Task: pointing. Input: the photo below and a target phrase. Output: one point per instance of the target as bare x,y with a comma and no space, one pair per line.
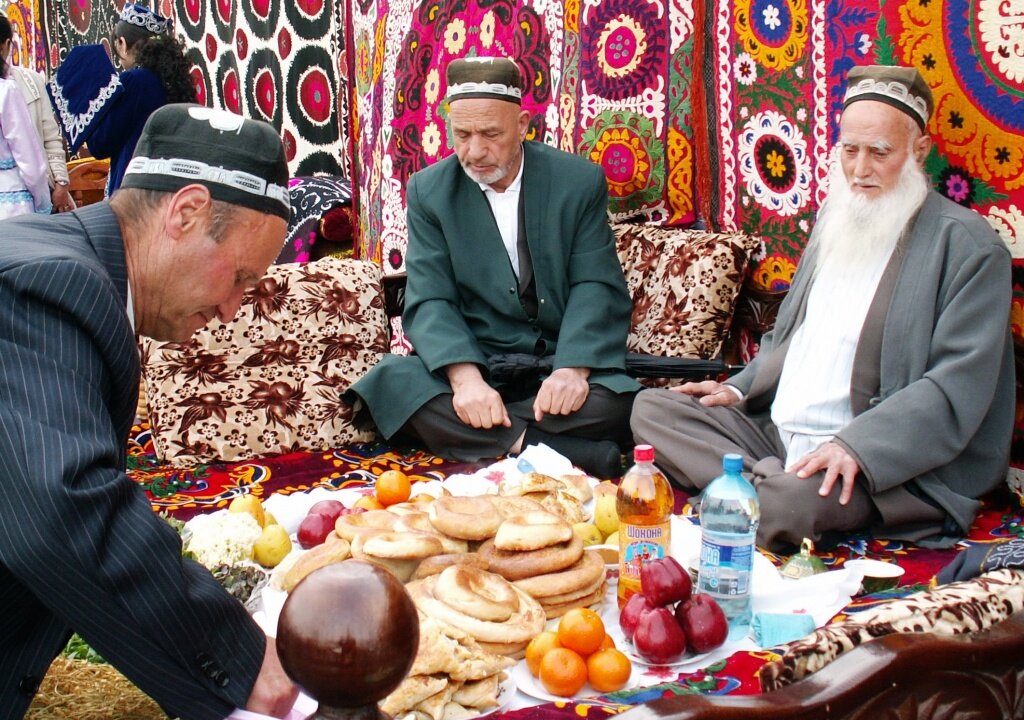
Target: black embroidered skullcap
901,87
240,160
485,77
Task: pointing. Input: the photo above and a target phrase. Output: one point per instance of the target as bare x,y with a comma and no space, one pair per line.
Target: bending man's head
487,120
203,208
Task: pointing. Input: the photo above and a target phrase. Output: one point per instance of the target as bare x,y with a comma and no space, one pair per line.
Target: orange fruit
368,502
582,630
562,672
608,670
538,648
392,487
607,642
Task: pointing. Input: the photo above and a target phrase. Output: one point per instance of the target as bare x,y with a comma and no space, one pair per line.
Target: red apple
632,611
331,508
313,530
658,638
664,581
703,621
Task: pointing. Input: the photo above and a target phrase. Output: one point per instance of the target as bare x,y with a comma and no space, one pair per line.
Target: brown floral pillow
683,284
270,381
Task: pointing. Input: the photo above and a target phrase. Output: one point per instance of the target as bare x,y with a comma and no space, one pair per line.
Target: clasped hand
479,405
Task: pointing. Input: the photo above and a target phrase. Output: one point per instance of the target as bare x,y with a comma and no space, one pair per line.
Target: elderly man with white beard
883,399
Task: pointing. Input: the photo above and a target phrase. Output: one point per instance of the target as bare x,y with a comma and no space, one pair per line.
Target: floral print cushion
961,607
683,284
270,381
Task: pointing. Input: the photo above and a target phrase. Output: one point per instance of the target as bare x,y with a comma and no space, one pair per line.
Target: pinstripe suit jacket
80,548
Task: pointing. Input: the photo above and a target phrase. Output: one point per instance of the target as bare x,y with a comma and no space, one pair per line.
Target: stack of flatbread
451,678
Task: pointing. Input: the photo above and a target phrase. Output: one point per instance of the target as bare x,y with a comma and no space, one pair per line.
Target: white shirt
505,206
812,402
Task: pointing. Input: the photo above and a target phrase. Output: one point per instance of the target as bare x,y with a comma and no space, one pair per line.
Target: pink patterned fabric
610,81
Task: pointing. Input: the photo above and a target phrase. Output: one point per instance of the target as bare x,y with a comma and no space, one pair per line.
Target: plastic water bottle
729,514
644,504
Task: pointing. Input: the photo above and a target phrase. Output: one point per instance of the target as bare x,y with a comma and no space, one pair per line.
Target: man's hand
476,403
836,462
274,693
710,392
61,199
563,392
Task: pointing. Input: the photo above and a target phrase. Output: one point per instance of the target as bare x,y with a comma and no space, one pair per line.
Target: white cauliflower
222,538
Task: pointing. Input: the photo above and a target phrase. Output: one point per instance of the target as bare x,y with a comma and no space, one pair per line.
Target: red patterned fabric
277,62
610,81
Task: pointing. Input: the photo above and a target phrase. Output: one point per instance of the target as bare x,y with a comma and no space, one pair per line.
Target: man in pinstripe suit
202,213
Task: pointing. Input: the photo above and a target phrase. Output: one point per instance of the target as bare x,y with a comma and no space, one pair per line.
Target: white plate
628,650
530,685
506,691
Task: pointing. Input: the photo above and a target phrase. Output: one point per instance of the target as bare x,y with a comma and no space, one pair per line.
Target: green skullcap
485,77
901,87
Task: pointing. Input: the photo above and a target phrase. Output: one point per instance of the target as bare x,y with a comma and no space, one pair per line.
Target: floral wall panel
609,80
28,34
278,62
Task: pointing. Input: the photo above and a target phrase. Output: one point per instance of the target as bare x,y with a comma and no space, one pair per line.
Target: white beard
855,230
495,175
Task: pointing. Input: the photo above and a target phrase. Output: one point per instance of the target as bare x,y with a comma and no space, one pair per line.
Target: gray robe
940,414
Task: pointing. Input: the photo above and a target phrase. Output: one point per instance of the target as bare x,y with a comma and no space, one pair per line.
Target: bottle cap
732,463
643,453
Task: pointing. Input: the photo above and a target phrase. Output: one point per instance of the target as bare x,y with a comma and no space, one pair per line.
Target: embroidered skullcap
240,160
901,87
485,77
142,17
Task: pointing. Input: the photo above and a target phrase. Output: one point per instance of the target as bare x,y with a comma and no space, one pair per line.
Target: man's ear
187,211
524,124
921,147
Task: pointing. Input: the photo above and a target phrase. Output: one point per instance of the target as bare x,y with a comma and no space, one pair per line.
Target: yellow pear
249,504
612,539
271,546
605,516
588,533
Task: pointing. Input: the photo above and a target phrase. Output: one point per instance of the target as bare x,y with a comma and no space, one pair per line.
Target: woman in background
33,89
155,73
23,168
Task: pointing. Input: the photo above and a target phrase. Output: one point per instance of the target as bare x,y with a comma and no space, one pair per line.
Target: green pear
588,533
605,516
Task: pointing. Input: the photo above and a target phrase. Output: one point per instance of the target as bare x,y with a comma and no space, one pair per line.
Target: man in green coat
515,303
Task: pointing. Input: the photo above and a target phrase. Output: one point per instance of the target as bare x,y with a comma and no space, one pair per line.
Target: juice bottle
644,504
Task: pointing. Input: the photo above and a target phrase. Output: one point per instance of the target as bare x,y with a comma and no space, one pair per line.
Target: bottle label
641,544
725,565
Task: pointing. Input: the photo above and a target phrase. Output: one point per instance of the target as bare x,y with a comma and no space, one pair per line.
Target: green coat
462,302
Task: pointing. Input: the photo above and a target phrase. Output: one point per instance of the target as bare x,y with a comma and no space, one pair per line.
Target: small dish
876,574
532,686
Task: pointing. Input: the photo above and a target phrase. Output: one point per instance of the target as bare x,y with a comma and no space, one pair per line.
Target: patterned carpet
208,487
